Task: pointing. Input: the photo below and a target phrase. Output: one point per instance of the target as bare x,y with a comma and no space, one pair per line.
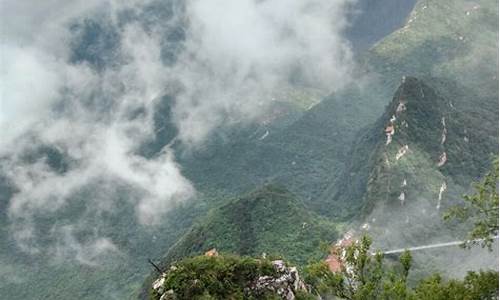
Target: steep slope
337,158
62,272
421,130
371,20
98,272
413,163
453,46
456,40
269,220
307,155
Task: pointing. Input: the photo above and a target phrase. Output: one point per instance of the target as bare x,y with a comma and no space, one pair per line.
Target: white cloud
239,52
92,253
235,55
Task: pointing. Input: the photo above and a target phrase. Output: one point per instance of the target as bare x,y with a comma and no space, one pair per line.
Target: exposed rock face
285,286
402,198
286,283
401,152
442,159
212,253
158,285
442,189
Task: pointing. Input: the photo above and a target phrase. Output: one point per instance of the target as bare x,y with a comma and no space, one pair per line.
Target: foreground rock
214,276
286,285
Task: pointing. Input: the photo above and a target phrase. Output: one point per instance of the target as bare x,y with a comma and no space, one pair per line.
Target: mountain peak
416,115
269,219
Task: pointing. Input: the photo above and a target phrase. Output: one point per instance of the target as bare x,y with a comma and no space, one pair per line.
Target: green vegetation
403,199
334,156
447,39
269,220
482,207
330,155
219,277
476,285
58,275
370,276
363,276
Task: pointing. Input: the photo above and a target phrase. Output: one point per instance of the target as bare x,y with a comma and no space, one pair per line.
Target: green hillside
305,156
401,186
308,155
335,158
315,165
430,125
269,220
451,47
456,40
54,275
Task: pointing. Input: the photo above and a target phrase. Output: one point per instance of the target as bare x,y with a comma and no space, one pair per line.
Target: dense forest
249,149
352,271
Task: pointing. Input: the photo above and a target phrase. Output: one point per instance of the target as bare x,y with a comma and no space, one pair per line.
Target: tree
476,285
363,275
482,208
214,277
368,276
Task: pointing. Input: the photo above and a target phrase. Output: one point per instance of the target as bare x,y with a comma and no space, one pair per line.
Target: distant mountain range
385,155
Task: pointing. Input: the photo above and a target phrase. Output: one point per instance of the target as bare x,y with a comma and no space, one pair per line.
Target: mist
80,83
419,222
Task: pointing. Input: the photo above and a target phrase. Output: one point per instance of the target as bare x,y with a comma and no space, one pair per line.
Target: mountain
314,164
420,144
456,40
268,220
304,156
448,46
310,152
335,157
416,161
370,21
55,275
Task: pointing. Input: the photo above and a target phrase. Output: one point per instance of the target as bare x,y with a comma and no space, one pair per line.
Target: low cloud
239,53
72,122
92,253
